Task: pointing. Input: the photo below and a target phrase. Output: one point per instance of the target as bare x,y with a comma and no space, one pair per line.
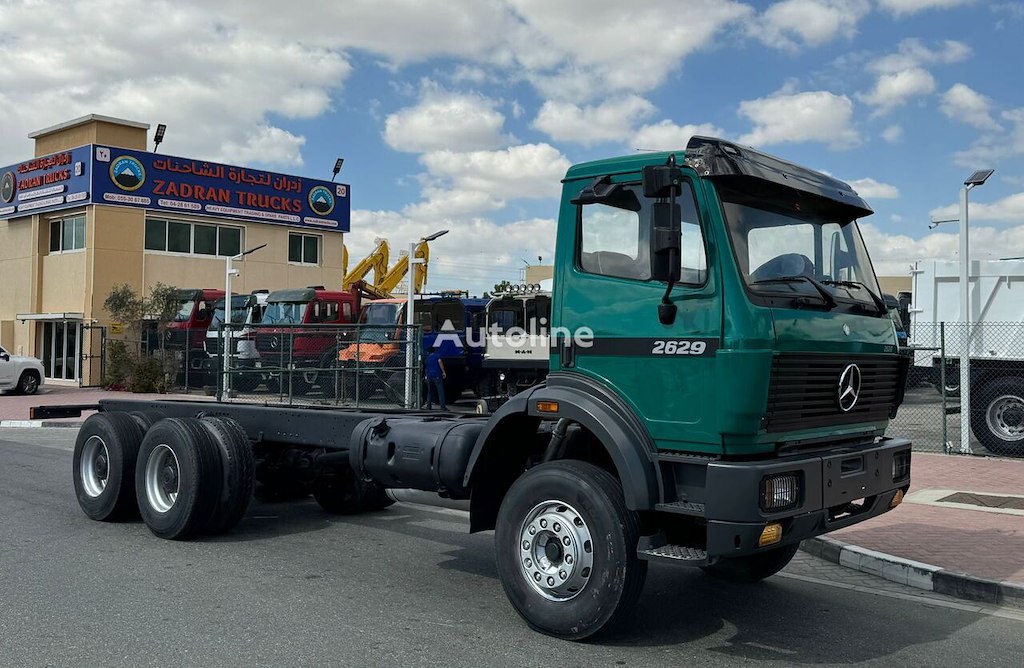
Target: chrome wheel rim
162,477
94,468
1005,417
556,551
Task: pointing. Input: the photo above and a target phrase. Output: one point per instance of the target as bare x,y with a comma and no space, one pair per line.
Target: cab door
664,371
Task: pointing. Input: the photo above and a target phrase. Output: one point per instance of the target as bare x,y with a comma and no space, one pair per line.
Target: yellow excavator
376,261
386,280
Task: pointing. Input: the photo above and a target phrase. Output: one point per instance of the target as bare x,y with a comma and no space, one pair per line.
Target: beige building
58,266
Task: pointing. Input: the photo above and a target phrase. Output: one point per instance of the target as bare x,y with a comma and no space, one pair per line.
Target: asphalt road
405,586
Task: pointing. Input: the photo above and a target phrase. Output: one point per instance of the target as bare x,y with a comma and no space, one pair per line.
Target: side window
331,311
612,239
615,237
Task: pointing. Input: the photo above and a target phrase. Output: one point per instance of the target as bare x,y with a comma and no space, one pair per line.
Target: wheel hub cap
556,552
162,475
95,467
1005,417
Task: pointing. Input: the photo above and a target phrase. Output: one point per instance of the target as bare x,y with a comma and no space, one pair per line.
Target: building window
304,248
67,234
174,236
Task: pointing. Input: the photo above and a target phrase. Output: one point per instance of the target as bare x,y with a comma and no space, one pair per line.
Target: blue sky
464,114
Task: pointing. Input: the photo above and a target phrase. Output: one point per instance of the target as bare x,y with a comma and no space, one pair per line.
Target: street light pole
226,325
965,314
410,313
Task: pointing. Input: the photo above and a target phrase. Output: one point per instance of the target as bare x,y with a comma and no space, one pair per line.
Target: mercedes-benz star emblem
849,387
273,343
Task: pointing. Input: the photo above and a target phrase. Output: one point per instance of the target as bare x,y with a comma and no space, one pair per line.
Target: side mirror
666,241
662,181
5,357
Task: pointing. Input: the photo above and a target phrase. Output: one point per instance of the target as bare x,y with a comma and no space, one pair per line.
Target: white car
20,373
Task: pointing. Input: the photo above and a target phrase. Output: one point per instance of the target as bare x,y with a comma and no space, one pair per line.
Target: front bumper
838,488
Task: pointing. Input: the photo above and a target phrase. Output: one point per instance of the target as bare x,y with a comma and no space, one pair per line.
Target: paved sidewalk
14,408
959,532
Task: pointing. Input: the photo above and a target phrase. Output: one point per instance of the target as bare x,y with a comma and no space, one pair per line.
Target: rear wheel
566,549
998,419
104,466
239,473
753,567
178,478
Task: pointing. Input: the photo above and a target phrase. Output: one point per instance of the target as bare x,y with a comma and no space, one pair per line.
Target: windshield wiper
857,284
830,301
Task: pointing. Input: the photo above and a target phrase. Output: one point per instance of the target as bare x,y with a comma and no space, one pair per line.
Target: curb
30,424
916,574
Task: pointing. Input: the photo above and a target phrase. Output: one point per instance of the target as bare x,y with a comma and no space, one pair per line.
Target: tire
601,582
239,478
146,419
28,383
273,382
485,386
178,453
753,567
997,418
104,466
342,492
245,381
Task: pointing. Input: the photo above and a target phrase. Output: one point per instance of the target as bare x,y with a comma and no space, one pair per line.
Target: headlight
780,492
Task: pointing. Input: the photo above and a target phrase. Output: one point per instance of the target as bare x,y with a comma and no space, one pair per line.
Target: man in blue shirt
435,379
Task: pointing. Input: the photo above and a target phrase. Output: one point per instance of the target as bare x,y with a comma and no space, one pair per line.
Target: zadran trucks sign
122,177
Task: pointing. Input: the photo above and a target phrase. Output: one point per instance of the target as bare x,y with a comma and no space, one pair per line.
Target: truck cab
246,312
187,329
292,352
517,343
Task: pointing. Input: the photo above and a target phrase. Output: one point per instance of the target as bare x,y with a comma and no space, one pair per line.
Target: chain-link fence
990,412
347,365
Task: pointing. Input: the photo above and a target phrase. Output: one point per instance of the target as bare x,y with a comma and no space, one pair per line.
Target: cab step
677,554
682,508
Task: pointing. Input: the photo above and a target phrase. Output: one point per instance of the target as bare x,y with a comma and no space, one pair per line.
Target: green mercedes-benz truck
722,373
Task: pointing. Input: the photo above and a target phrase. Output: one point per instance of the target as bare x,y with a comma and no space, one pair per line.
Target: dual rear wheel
182,475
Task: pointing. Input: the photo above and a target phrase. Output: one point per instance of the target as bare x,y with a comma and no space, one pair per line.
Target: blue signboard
123,177
47,183
154,181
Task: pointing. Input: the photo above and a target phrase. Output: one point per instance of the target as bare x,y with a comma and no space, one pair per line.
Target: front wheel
753,567
566,549
28,383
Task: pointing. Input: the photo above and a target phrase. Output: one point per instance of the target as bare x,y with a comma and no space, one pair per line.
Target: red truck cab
287,339
187,329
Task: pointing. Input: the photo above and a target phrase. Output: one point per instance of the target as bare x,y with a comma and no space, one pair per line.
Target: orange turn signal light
770,535
547,406
897,499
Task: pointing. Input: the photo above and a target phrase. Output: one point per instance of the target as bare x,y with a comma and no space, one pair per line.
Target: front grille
804,391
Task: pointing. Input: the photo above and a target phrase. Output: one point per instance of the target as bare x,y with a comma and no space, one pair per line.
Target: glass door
59,349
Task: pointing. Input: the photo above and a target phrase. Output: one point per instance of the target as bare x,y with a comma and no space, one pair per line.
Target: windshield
284,313
239,310
185,308
786,244
380,314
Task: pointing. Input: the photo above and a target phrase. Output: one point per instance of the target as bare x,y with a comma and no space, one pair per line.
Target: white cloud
793,23
894,90
1006,210
215,82
996,145
612,120
580,49
893,254
893,134
912,53
818,116
904,7
666,135
871,189
460,184
445,120
964,104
